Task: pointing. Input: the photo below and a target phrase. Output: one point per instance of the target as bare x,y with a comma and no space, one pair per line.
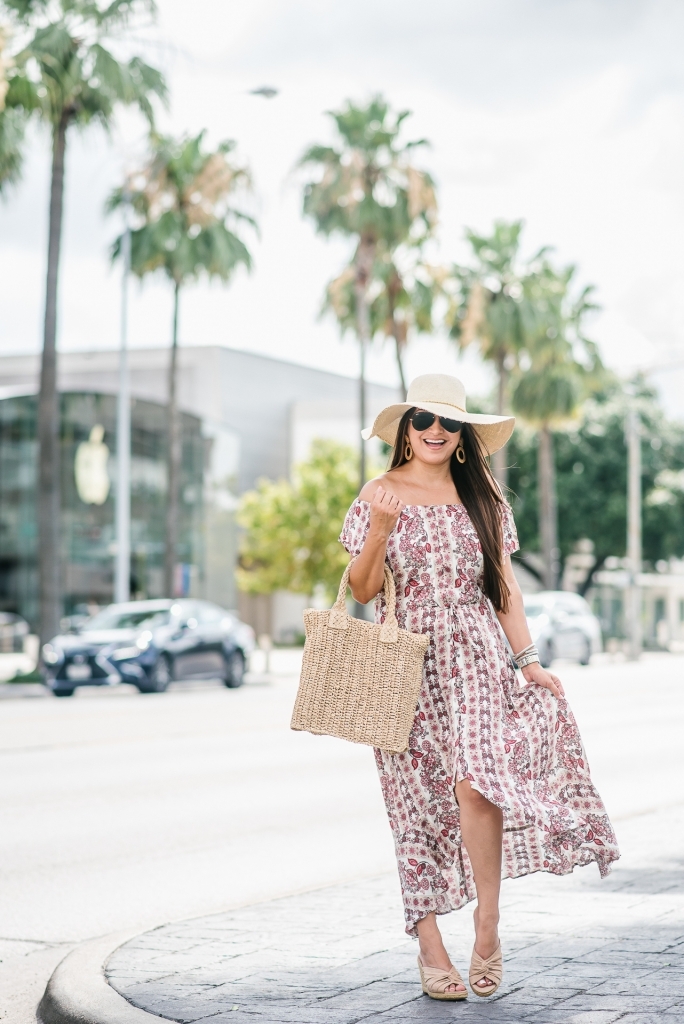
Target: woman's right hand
384,512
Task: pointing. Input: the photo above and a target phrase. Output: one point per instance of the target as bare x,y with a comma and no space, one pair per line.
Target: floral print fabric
517,744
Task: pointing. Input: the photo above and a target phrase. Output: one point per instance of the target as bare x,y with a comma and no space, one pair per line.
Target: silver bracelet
528,656
528,659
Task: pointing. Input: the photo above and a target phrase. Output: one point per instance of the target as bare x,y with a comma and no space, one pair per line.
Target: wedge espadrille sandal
491,968
436,982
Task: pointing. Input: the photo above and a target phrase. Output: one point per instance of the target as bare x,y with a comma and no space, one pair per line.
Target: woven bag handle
339,616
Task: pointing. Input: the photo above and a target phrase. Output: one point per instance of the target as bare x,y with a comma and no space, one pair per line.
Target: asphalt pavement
124,812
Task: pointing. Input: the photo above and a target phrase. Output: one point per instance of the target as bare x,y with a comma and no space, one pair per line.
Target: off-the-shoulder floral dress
517,744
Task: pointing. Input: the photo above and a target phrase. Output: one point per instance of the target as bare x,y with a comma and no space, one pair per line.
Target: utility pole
122,575
633,602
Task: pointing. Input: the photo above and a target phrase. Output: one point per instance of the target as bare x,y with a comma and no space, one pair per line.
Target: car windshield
573,607
116,618
533,608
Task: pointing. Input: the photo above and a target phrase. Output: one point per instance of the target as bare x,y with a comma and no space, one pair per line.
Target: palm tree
182,198
559,369
487,305
401,298
366,188
65,76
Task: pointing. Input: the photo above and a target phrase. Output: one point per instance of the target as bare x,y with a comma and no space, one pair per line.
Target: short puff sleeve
355,527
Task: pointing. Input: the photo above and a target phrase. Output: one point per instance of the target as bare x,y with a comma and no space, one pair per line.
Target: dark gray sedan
149,644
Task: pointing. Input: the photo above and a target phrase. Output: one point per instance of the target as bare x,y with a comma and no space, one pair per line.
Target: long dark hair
482,500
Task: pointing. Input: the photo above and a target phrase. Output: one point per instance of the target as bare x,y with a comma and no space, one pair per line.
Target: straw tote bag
360,681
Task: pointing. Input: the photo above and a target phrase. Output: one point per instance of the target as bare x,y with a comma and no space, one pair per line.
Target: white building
257,417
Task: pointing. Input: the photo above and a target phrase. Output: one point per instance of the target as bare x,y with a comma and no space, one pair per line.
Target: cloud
567,113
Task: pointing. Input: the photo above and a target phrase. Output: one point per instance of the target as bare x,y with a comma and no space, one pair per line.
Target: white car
562,626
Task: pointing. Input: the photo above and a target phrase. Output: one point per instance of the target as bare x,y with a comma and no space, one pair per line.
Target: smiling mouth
434,443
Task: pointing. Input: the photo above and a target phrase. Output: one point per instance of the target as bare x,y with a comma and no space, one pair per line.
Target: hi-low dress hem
517,744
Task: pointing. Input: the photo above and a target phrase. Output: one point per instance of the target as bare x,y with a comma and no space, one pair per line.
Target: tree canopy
559,365
401,298
591,461
487,299
184,202
11,125
291,529
64,73
367,186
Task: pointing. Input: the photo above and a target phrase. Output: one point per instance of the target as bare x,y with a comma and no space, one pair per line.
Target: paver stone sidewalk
576,950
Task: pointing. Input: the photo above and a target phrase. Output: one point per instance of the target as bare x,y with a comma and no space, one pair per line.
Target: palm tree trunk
548,511
499,459
48,411
365,254
400,367
175,452
392,286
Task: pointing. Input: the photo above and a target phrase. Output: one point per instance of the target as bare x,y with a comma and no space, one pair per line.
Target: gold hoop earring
460,453
408,450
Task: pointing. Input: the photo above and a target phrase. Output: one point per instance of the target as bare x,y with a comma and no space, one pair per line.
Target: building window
88,494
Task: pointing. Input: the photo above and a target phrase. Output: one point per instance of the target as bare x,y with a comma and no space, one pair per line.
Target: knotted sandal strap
491,968
436,982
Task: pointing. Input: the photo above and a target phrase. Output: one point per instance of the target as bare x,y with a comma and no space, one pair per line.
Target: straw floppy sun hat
445,396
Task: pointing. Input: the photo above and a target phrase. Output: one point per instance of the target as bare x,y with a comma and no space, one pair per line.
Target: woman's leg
432,951
482,833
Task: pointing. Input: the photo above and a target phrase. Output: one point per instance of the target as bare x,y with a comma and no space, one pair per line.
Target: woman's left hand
534,673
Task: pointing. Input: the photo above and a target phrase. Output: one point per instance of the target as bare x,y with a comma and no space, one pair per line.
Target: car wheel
586,657
64,691
160,677
547,655
235,669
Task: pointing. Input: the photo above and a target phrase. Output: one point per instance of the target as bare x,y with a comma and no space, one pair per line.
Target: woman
495,782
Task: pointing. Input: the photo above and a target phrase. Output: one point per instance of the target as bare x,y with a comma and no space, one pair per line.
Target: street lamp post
633,609
122,573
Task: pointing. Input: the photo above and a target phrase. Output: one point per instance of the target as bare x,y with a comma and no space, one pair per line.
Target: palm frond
12,127
319,155
186,223
78,78
22,94
120,11
23,10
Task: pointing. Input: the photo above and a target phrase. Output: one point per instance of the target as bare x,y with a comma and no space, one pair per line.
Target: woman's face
434,445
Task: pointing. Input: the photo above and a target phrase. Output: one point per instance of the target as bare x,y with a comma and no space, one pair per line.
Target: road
122,811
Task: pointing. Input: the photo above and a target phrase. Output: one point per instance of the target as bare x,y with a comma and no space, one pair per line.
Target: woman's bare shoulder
368,490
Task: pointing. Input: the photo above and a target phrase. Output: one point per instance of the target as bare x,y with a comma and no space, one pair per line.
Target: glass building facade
88,495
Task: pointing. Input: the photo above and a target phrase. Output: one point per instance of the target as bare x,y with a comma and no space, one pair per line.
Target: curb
79,993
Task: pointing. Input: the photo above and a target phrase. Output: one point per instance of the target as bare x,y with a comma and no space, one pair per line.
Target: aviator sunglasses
423,420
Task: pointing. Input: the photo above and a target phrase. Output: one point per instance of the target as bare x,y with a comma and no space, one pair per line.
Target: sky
568,114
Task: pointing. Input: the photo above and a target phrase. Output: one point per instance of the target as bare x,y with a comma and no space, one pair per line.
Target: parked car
149,644
563,626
